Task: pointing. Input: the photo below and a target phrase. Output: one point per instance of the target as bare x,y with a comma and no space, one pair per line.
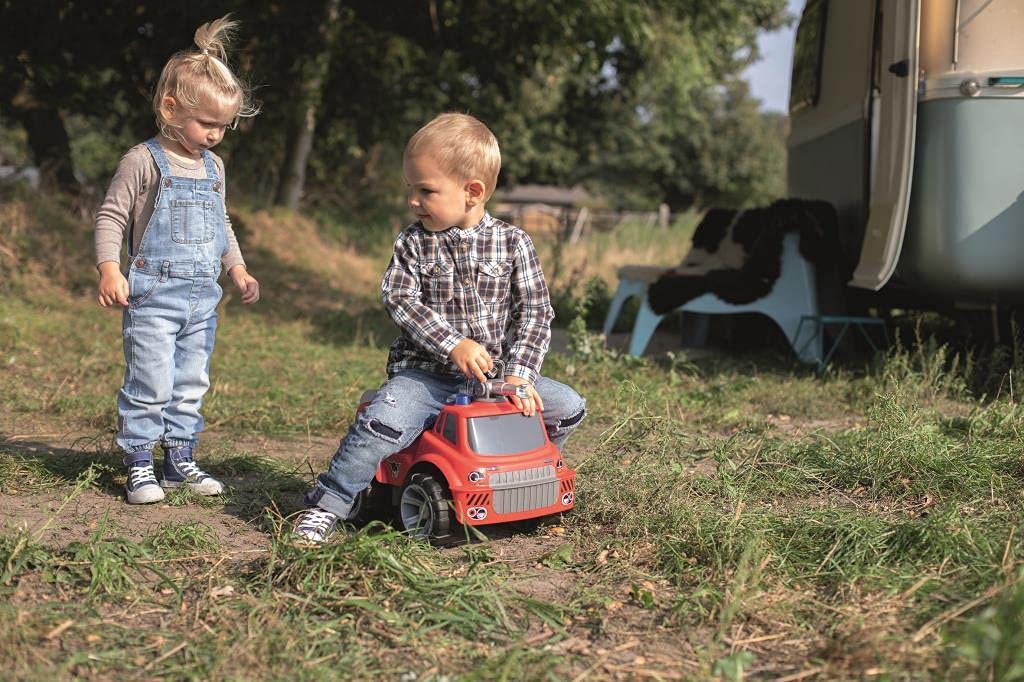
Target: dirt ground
622,642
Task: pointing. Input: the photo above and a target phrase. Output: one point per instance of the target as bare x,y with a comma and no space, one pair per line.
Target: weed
991,644
111,566
19,554
179,539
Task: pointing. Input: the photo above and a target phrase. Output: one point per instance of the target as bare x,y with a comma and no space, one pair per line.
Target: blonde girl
167,201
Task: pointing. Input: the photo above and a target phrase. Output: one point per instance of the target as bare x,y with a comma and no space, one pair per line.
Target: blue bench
792,299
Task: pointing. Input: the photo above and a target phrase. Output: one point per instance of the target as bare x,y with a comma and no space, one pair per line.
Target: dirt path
47,463
622,639
620,643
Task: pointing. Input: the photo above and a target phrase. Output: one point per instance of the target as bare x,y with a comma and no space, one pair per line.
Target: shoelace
316,521
139,475
191,471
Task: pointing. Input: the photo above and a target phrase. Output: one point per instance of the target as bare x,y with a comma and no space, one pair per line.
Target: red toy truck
481,462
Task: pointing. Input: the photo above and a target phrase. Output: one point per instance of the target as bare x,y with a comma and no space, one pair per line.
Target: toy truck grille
523,489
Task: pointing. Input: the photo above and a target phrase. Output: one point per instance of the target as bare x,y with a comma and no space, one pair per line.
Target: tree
617,94
98,60
576,92
309,75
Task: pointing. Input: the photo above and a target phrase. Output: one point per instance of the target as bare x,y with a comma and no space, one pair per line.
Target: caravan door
893,153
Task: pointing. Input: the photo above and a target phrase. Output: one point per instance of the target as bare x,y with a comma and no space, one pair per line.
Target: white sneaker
180,469
315,526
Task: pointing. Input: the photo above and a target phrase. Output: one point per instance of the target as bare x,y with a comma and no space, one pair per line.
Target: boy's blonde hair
462,146
202,77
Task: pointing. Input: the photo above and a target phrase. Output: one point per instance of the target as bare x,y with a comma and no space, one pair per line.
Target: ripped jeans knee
382,430
353,466
561,429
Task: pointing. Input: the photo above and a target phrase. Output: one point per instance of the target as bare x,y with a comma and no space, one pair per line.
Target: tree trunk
48,140
299,140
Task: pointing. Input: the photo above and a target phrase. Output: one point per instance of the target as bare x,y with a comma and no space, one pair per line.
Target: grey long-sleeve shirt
131,197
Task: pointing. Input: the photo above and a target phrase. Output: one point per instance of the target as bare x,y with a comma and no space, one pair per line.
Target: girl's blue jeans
169,328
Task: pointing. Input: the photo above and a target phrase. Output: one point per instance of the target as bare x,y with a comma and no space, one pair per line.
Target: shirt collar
463,233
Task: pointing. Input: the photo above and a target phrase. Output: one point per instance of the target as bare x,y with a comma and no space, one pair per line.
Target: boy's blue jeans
402,408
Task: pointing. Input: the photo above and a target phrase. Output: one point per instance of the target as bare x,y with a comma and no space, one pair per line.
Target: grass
736,515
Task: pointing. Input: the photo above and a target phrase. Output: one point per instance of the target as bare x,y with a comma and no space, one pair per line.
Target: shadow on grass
754,344
255,484
36,466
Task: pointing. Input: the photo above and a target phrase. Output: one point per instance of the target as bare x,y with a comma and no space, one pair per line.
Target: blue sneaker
141,487
180,470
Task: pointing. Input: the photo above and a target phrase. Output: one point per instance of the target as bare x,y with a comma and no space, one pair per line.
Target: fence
572,223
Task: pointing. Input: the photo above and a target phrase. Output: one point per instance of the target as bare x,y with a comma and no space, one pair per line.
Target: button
139,263
167,182
467,281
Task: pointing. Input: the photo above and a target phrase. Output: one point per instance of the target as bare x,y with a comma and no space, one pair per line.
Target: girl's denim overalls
171,317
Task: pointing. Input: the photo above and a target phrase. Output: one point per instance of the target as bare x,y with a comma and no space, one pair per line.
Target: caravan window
807,56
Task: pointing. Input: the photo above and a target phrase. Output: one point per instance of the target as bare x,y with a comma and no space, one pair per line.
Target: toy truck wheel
370,505
423,508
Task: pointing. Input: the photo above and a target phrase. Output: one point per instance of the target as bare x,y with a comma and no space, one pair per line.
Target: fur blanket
737,254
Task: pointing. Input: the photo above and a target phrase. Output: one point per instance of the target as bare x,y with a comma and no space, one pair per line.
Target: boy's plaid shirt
484,283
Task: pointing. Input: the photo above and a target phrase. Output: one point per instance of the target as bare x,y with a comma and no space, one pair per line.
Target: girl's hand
531,403
472,358
246,283
113,287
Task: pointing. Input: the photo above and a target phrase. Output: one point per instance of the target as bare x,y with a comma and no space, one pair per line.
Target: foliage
993,640
614,95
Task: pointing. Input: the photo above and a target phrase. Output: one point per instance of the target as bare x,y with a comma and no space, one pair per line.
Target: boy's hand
246,283
531,403
472,358
113,287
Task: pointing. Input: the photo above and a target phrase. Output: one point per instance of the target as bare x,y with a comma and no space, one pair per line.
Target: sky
769,77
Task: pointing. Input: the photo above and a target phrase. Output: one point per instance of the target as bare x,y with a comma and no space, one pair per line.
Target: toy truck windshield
504,434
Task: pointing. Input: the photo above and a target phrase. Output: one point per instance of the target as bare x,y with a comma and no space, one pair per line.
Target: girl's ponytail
202,77
212,38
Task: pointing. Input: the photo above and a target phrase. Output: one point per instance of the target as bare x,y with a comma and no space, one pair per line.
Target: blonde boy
464,289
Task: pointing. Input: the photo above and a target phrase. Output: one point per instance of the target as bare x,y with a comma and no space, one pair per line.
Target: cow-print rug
737,253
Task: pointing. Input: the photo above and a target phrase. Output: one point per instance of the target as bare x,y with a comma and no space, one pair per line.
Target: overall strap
159,157
211,167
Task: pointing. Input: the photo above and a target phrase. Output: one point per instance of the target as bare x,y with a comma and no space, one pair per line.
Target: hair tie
206,52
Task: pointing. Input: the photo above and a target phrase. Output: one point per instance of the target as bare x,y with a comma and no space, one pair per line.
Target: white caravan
908,116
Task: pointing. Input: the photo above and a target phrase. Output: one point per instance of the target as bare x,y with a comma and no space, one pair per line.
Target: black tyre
424,510
371,505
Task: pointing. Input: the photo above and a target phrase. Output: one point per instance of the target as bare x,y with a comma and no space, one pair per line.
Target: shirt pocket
191,221
437,281
493,280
